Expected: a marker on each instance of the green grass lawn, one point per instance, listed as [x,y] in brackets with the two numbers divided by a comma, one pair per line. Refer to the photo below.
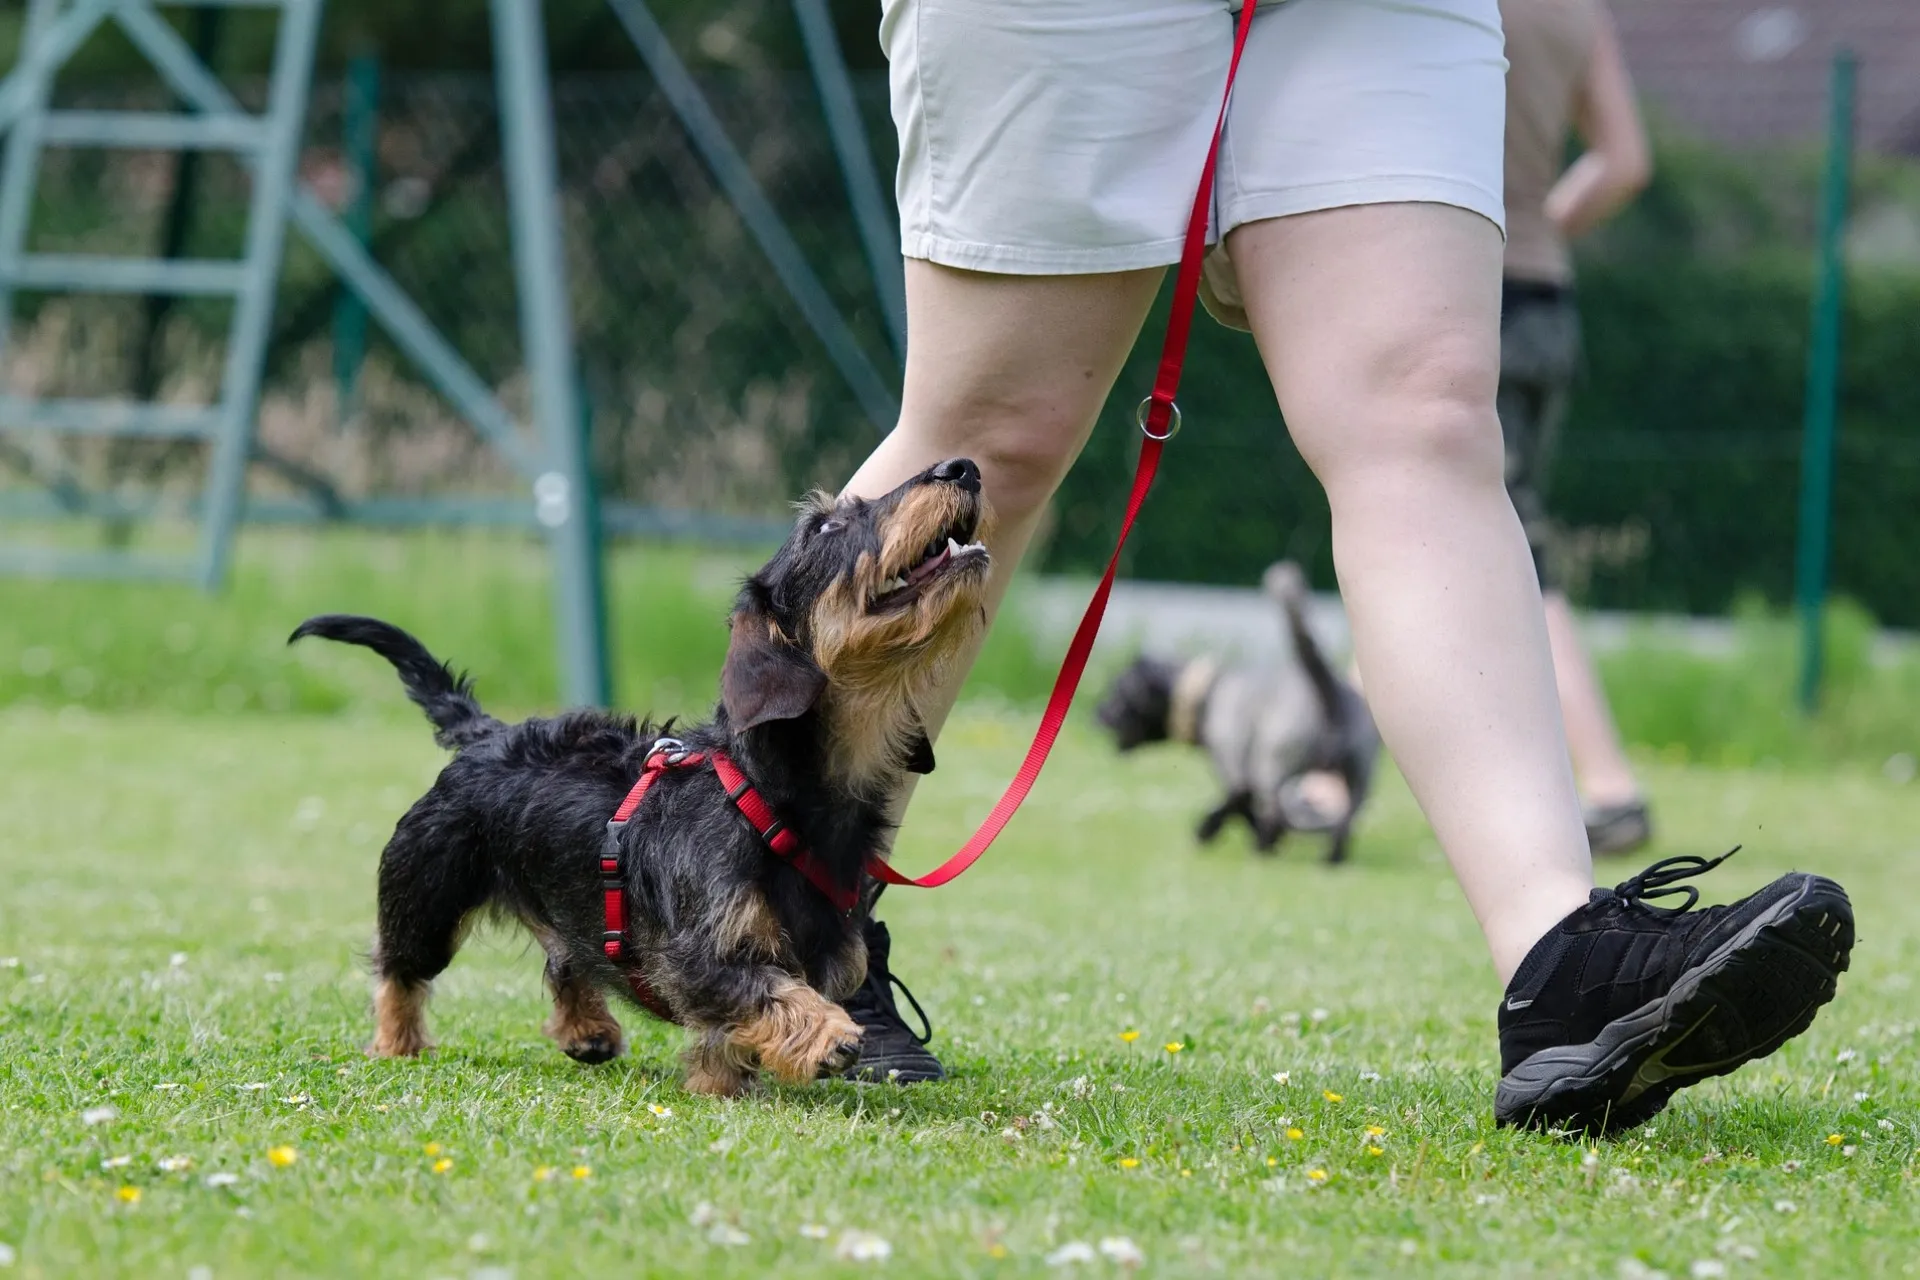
[185,901]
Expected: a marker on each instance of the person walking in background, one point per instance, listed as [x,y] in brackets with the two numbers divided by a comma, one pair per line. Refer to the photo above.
[1565,75]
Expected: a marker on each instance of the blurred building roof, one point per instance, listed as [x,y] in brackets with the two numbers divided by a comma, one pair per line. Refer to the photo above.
[1753,71]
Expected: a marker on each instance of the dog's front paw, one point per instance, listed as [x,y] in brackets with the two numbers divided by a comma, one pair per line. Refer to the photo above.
[801,1036]
[841,1055]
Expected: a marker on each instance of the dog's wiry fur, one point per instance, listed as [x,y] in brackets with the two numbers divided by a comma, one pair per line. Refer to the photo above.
[832,643]
[1263,728]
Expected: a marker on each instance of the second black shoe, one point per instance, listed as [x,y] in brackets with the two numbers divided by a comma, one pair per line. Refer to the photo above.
[1622,1003]
[889,1050]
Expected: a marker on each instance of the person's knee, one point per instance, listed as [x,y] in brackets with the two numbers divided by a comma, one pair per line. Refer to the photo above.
[1424,412]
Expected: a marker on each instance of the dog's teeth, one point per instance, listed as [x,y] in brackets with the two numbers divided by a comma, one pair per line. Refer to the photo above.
[953,548]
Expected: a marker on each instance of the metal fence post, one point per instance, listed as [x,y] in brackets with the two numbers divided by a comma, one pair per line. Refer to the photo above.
[359,145]
[877,233]
[1823,385]
[562,498]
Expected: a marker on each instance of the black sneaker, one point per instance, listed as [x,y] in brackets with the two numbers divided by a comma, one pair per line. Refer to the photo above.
[888,1050]
[1623,1003]
[1619,828]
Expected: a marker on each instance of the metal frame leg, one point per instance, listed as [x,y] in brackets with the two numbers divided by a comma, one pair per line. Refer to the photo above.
[563,494]
[273,179]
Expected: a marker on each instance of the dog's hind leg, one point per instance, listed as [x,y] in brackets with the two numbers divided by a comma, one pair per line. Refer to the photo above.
[1268,832]
[581,1024]
[431,881]
[1238,804]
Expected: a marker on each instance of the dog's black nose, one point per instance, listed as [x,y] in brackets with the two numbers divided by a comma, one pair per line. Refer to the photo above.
[960,471]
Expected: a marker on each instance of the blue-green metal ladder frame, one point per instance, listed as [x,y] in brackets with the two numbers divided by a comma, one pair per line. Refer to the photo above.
[269,144]
[555,469]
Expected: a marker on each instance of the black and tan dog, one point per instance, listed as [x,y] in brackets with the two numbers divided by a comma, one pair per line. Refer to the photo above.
[832,645]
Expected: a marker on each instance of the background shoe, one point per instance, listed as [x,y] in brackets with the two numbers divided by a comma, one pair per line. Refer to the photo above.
[1623,1003]
[889,1051]
[1619,828]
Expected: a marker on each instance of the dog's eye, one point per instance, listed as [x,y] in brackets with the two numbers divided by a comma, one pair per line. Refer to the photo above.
[832,524]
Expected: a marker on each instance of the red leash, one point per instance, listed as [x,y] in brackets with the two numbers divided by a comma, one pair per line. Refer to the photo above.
[1159,420]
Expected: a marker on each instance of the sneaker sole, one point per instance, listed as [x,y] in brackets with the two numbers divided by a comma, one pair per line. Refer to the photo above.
[1757,991]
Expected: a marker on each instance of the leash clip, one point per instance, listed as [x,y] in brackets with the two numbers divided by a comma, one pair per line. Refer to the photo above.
[1173,423]
[669,751]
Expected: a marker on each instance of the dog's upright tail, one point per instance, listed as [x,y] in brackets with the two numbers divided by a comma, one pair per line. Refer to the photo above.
[1287,584]
[447,698]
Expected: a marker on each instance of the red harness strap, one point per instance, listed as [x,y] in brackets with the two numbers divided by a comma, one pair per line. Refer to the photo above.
[1159,419]
[667,754]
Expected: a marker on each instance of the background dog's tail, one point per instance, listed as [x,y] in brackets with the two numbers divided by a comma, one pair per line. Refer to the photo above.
[1286,583]
[447,698]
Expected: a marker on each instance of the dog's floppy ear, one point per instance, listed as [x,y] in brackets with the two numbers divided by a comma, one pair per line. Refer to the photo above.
[766,676]
[919,748]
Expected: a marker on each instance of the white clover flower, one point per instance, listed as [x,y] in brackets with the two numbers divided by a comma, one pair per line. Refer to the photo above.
[99,1115]
[1122,1250]
[862,1246]
[1072,1253]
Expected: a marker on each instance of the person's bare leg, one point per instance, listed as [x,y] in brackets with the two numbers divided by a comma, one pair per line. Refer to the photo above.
[1010,371]
[1599,761]
[1380,328]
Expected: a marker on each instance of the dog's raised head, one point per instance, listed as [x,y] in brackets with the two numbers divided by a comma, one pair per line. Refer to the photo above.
[857,615]
[1138,708]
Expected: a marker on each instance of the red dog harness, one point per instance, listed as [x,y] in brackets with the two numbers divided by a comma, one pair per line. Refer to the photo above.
[670,753]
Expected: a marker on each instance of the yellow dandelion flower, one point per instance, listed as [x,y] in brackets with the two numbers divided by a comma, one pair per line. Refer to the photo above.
[442,1164]
[1174,1046]
[996,1250]
[543,1173]
[1271,1162]
[1128,1162]
[1129,1036]
[1294,1135]
[1375,1131]
[582,1172]
[1316,1175]
[281,1157]
[1834,1139]
[127,1195]
[1331,1096]
[432,1148]
[1376,1151]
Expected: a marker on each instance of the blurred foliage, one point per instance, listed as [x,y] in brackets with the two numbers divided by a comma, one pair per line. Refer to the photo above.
[1678,471]
[457,35]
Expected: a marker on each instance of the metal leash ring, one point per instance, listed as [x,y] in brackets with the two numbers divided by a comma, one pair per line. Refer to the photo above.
[1173,423]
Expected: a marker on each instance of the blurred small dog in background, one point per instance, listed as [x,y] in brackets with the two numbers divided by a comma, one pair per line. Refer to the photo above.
[1265,728]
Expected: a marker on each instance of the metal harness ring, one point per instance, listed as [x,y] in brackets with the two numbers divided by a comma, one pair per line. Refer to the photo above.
[1173,423]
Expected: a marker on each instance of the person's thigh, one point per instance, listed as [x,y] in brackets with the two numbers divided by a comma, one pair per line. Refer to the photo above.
[1380,327]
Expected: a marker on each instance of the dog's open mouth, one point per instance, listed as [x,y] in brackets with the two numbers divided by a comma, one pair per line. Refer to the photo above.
[948,551]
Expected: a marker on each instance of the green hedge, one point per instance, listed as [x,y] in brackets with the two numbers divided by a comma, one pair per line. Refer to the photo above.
[1682,443]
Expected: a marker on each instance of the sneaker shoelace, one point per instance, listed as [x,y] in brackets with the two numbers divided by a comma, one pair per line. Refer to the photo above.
[879,988]
[1662,880]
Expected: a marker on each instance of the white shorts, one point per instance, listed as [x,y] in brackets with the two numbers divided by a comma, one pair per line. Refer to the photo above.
[1063,137]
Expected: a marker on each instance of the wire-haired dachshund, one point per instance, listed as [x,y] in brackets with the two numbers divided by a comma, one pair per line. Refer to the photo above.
[832,646]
